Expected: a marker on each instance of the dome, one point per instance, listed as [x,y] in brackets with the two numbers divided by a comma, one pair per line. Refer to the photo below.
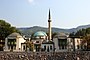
[61,34]
[15,35]
[40,33]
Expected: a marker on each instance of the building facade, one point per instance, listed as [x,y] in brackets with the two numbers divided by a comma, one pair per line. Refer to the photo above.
[13,42]
[43,42]
[37,40]
[60,42]
[47,46]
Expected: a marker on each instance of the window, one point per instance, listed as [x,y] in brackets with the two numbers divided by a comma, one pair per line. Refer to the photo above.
[37,41]
[62,43]
[45,47]
[63,47]
[11,41]
[23,47]
[77,46]
[78,41]
[50,47]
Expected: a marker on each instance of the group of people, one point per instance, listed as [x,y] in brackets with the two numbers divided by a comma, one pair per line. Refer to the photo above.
[79,55]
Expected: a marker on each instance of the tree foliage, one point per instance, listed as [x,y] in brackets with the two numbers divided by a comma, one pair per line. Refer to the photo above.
[6,29]
[85,35]
[81,32]
[86,39]
[29,45]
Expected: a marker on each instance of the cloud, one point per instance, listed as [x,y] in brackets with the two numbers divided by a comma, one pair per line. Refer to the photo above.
[31,1]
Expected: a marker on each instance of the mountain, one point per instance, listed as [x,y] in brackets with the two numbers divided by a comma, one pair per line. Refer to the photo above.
[83,26]
[31,30]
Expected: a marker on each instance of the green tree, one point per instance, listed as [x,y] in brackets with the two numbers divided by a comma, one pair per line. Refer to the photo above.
[29,45]
[71,34]
[82,32]
[6,29]
[86,39]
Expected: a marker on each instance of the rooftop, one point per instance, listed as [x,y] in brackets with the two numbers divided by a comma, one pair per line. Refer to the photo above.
[40,33]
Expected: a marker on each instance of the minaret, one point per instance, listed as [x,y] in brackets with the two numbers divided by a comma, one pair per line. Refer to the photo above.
[49,27]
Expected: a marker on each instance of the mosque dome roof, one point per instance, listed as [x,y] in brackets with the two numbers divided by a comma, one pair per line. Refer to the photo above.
[61,34]
[15,35]
[40,33]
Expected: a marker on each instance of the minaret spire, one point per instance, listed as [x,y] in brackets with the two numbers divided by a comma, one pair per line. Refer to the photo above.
[49,26]
[49,15]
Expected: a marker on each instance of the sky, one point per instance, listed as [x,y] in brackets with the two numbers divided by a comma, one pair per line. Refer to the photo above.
[28,13]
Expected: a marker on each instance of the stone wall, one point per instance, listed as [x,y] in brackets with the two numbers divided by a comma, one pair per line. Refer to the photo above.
[80,55]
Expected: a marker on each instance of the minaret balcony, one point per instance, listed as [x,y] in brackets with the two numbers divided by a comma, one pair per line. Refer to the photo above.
[49,20]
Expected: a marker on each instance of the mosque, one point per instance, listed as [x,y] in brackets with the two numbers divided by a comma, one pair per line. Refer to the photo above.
[42,42]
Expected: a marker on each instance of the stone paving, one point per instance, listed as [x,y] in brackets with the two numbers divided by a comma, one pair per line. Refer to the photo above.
[79,55]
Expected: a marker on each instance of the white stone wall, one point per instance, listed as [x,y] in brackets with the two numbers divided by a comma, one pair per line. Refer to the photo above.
[18,43]
[22,47]
[21,40]
[55,40]
[77,42]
